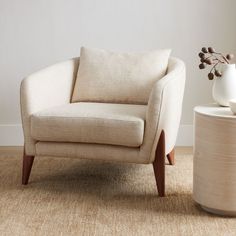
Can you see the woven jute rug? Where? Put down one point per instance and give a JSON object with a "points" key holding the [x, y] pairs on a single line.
{"points": [[82, 197]]}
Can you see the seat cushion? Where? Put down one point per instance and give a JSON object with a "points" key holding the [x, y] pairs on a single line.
{"points": [[102, 123], [106, 76]]}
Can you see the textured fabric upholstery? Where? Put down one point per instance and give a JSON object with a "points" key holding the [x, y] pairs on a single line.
{"points": [[165, 108], [90, 151], [117, 124], [52, 87], [111, 77], [46, 88]]}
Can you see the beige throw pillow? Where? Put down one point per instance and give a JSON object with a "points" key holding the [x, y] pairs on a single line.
{"points": [[111, 77]]}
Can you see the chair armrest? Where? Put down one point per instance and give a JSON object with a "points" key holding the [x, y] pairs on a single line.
{"points": [[165, 107], [46, 88]]}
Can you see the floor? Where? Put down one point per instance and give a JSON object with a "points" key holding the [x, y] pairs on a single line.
{"points": [[81, 197]]}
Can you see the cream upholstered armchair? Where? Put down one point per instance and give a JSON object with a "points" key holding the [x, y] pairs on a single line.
{"points": [[56, 124]]}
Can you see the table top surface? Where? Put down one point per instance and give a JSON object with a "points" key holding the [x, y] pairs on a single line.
{"points": [[215, 110]]}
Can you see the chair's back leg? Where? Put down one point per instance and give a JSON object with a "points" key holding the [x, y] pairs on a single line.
{"points": [[159, 165], [26, 169], [171, 157]]}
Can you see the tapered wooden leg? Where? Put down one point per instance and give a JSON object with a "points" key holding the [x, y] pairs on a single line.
{"points": [[159, 165], [171, 157], [26, 169]]}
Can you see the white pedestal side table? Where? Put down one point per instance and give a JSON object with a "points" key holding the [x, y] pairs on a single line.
{"points": [[214, 167]]}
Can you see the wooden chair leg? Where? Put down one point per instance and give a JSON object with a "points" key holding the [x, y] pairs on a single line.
{"points": [[159, 165], [26, 169], [171, 157]]}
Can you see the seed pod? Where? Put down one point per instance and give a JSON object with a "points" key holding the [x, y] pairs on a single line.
{"points": [[202, 60], [218, 73], [211, 50], [202, 66], [209, 61], [204, 50], [230, 56], [201, 55], [210, 76]]}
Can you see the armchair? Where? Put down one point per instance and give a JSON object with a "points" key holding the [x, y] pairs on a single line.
{"points": [[54, 126]]}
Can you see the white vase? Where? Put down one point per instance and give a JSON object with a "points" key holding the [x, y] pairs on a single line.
{"points": [[224, 87]]}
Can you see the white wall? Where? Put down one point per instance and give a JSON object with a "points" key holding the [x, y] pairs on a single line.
{"points": [[34, 34]]}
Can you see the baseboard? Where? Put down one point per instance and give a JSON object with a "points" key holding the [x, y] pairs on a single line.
{"points": [[185, 136], [12, 135]]}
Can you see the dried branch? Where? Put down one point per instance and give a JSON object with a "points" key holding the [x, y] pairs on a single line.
{"points": [[208, 56]]}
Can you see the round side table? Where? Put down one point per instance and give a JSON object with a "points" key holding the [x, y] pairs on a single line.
{"points": [[214, 166]]}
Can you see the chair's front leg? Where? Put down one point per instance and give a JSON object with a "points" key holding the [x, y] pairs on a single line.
{"points": [[171, 157], [159, 165], [26, 169]]}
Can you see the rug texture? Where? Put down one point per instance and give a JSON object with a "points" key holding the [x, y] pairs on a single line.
{"points": [[81, 197]]}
